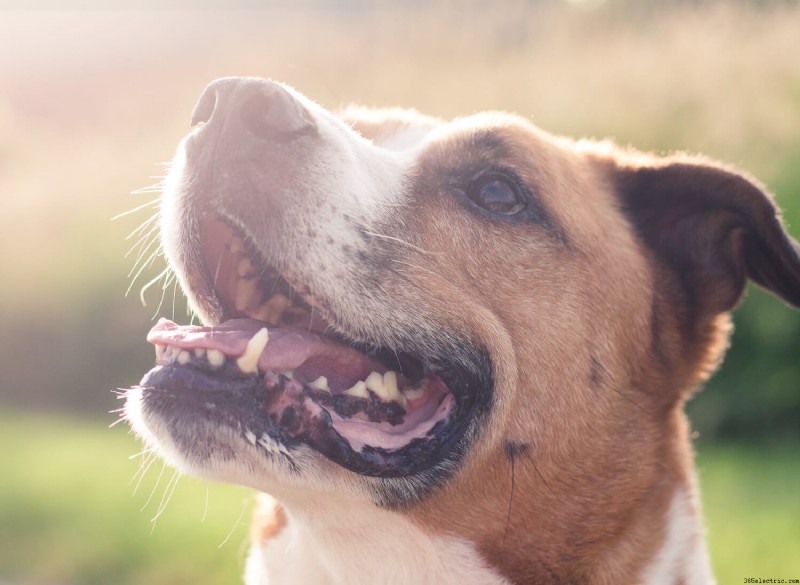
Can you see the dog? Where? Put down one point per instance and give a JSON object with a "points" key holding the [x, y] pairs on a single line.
{"points": [[451, 352]]}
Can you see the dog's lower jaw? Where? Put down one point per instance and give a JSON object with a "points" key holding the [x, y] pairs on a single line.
{"points": [[324, 543]]}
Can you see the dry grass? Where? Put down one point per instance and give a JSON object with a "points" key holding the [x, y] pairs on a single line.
{"points": [[92, 101]]}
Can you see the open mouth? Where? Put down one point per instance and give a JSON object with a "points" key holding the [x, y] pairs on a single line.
{"points": [[276, 371]]}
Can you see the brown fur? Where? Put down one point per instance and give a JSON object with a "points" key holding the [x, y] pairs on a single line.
{"points": [[597, 342]]}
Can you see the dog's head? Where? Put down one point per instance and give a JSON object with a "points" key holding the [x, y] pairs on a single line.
{"points": [[442, 300]]}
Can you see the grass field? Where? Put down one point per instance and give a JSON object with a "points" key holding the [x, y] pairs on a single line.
{"points": [[69, 514]]}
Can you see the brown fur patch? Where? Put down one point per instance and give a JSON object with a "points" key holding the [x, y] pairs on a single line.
{"points": [[269, 519]]}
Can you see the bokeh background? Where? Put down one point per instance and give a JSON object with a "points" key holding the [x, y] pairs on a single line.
{"points": [[94, 97]]}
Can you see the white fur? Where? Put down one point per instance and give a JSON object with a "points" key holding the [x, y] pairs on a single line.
{"points": [[682, 556], [360, 544]]}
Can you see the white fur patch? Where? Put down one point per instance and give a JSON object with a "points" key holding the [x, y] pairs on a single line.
{"points": [[682, 556], [359, 544]]}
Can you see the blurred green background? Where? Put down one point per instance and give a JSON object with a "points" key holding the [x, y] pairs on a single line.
{"points": [[93, 100]]}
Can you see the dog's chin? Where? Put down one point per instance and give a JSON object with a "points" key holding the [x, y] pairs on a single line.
{"points": [[277, 388]]}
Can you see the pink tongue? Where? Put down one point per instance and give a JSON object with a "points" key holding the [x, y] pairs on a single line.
{"points": [[306, 353]]}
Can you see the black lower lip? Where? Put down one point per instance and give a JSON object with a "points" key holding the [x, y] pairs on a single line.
{"points": [[187, 395]]}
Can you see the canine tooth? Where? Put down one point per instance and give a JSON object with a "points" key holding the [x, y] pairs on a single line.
{"points": [[183, 357], [359, 390], [244, 267], [321, 383], [288, 374], [374, 382], [250, 436], [248, 361], [215, 357], [199, 352], [160, 350], [246, 294]]}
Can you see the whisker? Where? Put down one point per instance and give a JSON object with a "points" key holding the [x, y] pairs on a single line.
{"points": [[144, 248], [398, 241], [135, 209], [144, 224], [235, 525], [169, 491], [158, 481]]}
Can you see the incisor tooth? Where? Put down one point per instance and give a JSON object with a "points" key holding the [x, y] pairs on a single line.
{"points": [[160, 349], [199, 352], [183, 357], [359, 390], [248, 361], [321, 383], [215, 357], [250, 436]]}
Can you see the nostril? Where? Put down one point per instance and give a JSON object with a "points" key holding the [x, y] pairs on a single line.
{"points": [[205, 106], [272, 109]]}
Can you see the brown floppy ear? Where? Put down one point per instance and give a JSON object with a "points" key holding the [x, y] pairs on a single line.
{"points": [[713, 227]]}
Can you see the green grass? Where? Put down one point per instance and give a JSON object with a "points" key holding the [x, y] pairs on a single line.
{"points": [[751, 499], [69, 514]]}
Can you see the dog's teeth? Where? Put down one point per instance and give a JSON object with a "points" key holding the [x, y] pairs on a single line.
{"points": [[260, 313], [374, 382], [183, 357], [250, 436], [276, 305], [321, 383], [171, 353], [160, 350], [390, 385], [236, 246], [246, 294], [199, 352], [287, 374], [244, 267], [215, 357], [358, 390], [414, 393], [248, 361]]}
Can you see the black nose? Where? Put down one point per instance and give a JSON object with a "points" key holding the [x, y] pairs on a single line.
{"points": [[253, 106]]}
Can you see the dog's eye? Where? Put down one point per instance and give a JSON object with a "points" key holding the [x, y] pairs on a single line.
{"points": [[496, 194]]}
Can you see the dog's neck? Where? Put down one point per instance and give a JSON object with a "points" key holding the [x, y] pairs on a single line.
{"points": [[322, 543], [353, 544]]}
